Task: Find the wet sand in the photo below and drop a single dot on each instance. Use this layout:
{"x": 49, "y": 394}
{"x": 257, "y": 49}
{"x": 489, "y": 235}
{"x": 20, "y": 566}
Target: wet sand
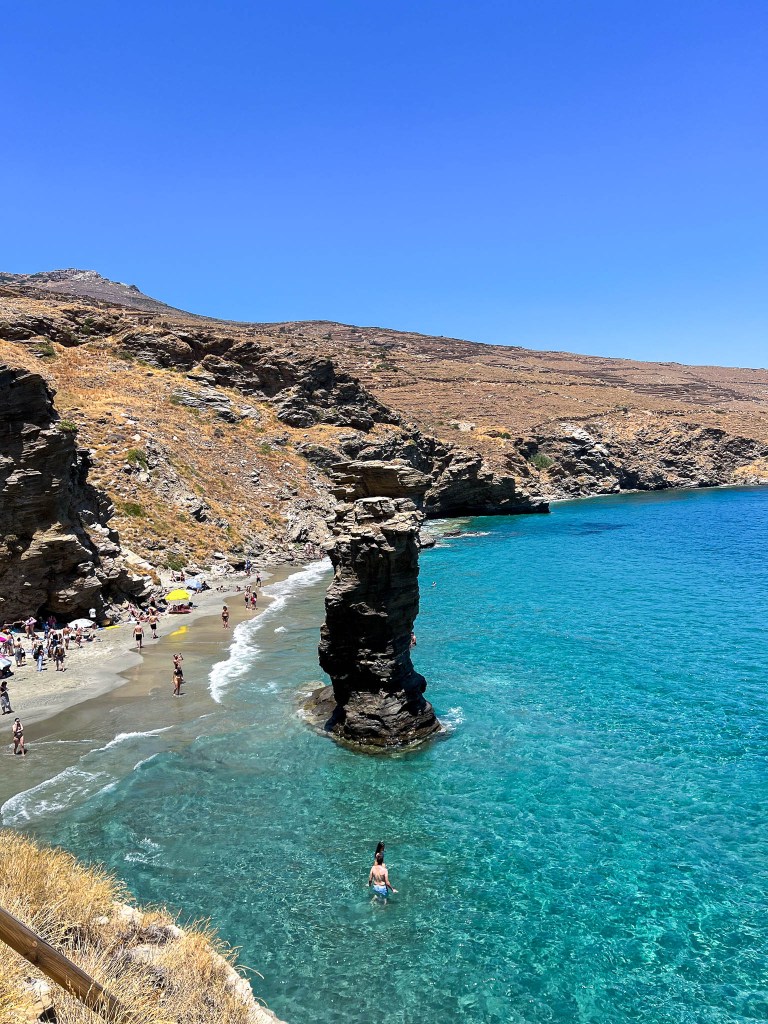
{"x": 115, "y": 691}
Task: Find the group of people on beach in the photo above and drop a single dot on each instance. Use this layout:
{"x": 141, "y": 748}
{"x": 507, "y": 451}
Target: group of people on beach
{"x": 45, "y": 640}
{"x": 39, "y": 641}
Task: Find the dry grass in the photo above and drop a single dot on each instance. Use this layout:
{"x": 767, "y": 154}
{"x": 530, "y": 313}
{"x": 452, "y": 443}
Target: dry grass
{"x": 161, "y": 974}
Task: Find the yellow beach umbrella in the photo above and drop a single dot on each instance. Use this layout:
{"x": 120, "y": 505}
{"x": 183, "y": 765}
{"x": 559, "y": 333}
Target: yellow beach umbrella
{"x": 178, "y": 595}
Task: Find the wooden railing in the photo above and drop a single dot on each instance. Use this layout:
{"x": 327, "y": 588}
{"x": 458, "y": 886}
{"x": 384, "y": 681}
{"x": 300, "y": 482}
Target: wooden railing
{"x": 60, "y": 969}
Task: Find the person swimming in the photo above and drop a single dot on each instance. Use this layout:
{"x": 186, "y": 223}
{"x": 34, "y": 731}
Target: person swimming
{"x": 378, "y": 876}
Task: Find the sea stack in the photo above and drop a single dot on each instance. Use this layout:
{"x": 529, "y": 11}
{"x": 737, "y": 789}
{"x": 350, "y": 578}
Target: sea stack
{"x": 377, "y": 697}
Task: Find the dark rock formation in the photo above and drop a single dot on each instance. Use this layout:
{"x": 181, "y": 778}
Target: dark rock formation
{"x": 57, "y": 553}
{"x": 602, "y": 456}
{"x": 377, "y": 697}
{"x": 460, "y": 481}
{"x": 305, "y": 389}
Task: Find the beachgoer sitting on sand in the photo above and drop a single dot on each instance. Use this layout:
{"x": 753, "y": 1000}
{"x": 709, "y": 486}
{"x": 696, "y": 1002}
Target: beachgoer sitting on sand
{"x": 378, "y": 877}
{"x": 18, "y": 738}
{"x": 5, "y": 698}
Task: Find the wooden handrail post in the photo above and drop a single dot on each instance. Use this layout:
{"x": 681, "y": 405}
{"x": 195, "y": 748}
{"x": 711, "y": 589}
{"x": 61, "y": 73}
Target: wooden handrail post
{"x": 59, "y": 968}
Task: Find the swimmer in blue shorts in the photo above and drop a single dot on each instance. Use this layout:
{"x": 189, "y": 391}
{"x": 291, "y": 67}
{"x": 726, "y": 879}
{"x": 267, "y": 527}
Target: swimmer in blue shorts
{"x": 379, "y": 878}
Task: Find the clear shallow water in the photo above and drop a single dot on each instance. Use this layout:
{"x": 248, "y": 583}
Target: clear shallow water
{"x": 589, "y": 843}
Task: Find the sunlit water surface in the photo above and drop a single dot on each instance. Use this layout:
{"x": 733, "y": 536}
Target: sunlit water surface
{"x": 589, "y": 841}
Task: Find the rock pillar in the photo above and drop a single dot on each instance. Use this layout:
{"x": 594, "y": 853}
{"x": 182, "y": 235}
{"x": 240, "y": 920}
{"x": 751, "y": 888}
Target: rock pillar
{"x": 377, "y": 697}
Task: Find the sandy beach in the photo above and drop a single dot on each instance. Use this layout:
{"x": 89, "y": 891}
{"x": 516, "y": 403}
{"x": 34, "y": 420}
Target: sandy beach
{"x": 112, "y": 660}
{"x": 110, "y": 691}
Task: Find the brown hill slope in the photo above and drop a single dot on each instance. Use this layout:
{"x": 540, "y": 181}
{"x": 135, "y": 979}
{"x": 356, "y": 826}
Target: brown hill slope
{"x": 215, "y": 436}
{"x": 84, "y": 284}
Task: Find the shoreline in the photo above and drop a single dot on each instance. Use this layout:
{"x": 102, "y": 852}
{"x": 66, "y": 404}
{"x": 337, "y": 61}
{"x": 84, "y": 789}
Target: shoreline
{"x": 110, "y": 661}
{"x": 124, "y": 704}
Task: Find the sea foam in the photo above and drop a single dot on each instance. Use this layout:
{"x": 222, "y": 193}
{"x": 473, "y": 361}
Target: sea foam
{"x": 70, "y": 786}
{"x": 123, "y": 736}
{"x": 243, "y": 651}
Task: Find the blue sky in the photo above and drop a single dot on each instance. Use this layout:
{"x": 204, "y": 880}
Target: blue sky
{"x": 587, "y": 175}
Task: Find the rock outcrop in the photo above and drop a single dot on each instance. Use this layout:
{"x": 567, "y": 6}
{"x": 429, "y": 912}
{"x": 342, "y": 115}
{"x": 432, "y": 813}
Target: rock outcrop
{"x": 304, "y": 389}
{"x": 57, "y": 555}
{"x": 460, "y": 482}
{"x": 604, "y": 455}
{"x": 377, "y": 697}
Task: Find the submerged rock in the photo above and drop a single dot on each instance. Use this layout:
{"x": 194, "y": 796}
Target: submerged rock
{"x": 377, "y": 697}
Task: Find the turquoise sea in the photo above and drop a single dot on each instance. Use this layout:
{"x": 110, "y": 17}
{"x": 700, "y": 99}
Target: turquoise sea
{"x": 587, "y": 843}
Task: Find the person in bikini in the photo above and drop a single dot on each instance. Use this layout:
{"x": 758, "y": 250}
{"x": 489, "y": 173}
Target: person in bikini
{"x": 18, "y": 738}
{"x": 378, "y": 877}
{"x": 178, "y": 679}
{"x": 225, "y": 617}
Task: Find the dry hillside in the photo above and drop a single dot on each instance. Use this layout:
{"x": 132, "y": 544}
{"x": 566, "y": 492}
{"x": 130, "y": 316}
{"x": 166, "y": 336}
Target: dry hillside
{"x": 215, "y": 437}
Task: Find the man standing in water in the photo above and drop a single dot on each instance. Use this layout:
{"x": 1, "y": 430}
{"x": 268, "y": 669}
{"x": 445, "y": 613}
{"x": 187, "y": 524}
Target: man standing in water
{"x": 379, "y": 877}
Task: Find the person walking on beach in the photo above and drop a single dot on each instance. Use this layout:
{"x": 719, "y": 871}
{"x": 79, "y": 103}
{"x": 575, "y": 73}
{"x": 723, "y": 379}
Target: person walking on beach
{"x": 38, "y": 653}
{"x": 19, "y": 653}
{"x": 178, "y": 679}
{"x": 18, "y": 738}
{"x": 59, "y": 656}
{"x": 225, "y": 617}
{"x": 138, "y": 635}
{"x": 153, "y": 622}
{"x": 378, "y": 877}
{"x": 5, "y": 698}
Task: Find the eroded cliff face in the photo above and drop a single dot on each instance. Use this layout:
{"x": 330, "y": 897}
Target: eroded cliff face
{"x": 57, "y": 555}
{"x": 627, "y": 452}
{"x": 218, "y": 440}
{"x": 377, "y": 697}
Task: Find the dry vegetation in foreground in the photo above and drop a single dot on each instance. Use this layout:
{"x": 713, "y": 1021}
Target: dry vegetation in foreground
{"x": 161, "y": 974}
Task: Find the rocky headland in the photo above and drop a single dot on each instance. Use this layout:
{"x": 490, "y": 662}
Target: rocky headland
{"x": 376, "y": 698}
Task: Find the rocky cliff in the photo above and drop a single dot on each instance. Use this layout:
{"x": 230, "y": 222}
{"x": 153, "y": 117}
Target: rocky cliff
{"x": 58, "y": 554}
{"x": 377, "y": 697}
{"x": 627, "y": 451}
{"x": 215, "y": 440}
